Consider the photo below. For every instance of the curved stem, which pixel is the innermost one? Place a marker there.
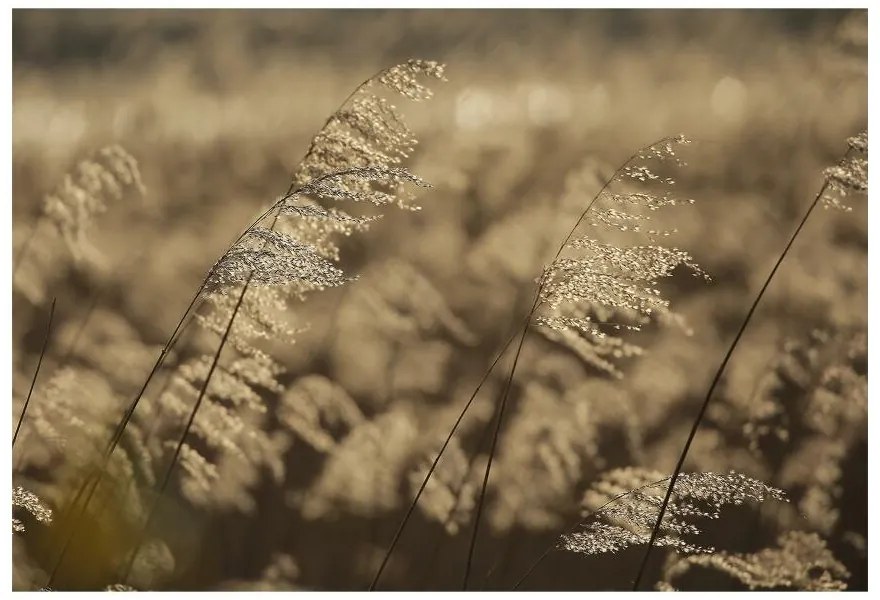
(36, 373)
(174, 457)
(494, 445)
(716, 379)
(202, 392)
(456, 493)
(93, 480)
(159, 361)
(433, 467)
(467, 406)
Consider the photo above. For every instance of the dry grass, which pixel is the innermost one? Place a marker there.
(306, 456)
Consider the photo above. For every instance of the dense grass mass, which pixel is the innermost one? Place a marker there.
(439, 300)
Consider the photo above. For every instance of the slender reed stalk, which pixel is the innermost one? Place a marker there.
(433, 467)
(90, 484)
(717, 378)
(120, 428)
(189, 311)
(36, 373)
(495, 435)
(89, 480)
(484, 438)
(175, 335)
(170, 469)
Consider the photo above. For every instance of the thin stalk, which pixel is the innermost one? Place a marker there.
(495, 436)
(90, 484)
(173, 339)
(327, 122)
(450, 515)
(526, 324)
(290, 192)
(174, 458)
(204, 388)
(716, 379)
(36, 373)
(120, 428)
(539, 560)
(432, 468)
(88, 481)
(98, 476)
(278, 204)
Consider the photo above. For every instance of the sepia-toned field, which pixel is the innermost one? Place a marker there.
(281, 450)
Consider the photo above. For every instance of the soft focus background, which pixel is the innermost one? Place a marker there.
(218, 107)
